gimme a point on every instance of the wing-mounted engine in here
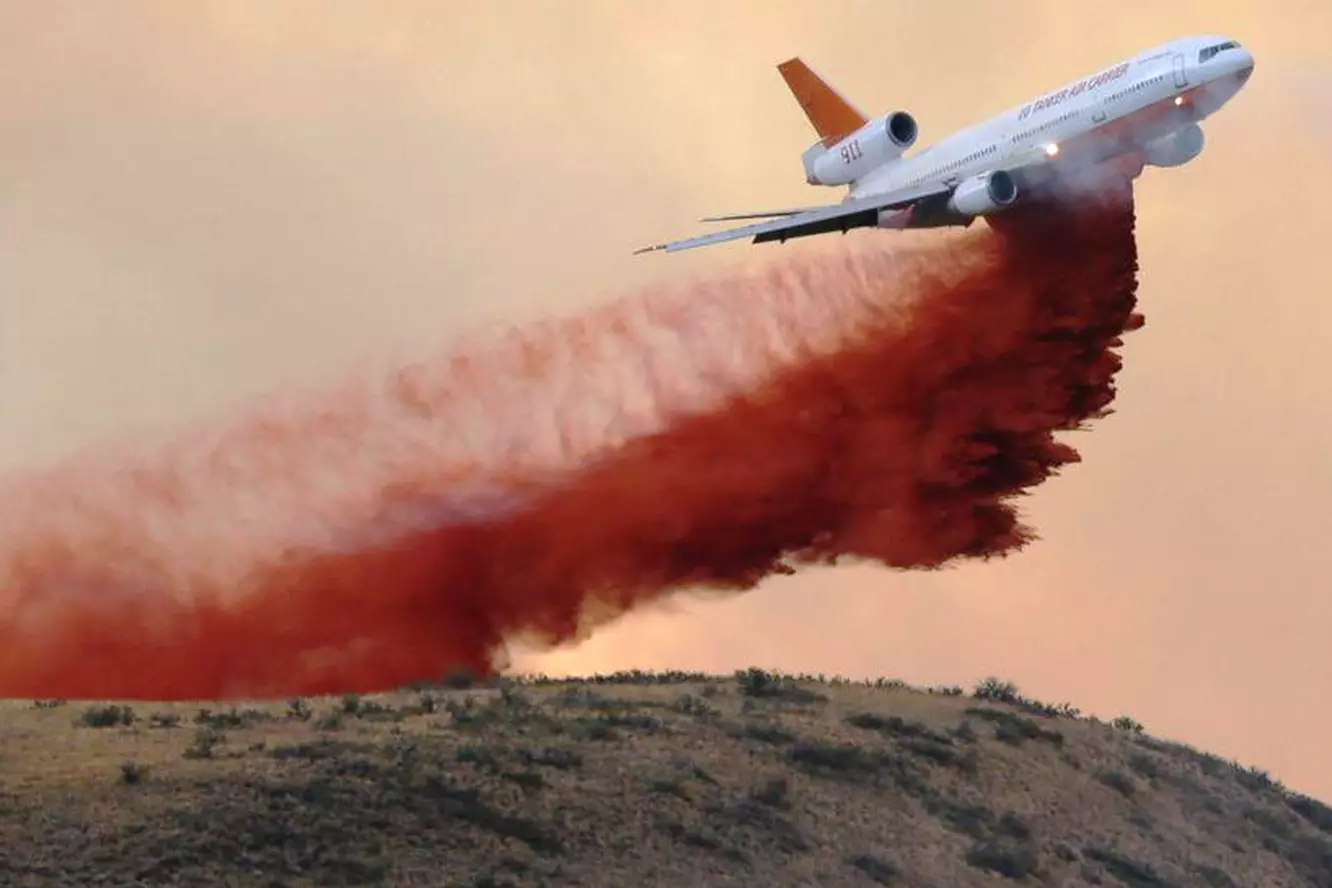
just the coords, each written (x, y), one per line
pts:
(877, 142)
(1176, 149)
(983, 193)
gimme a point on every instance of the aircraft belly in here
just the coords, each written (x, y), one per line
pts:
(1124, 135)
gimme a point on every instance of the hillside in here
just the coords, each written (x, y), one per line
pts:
(640, 780)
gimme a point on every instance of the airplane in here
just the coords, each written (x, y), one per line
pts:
(1143, 111)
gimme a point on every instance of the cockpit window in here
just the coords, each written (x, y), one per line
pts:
(1207, 52)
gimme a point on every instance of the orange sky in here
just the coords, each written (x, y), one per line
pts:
(203, 202)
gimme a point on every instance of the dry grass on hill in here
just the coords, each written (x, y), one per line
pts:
(636, 779)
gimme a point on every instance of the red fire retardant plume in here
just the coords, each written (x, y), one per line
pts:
(877, 405)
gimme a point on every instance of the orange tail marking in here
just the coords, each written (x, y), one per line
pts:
(832, 117)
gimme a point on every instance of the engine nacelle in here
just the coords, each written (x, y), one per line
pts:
(983, 193)
(874, 144)
(1176, 149)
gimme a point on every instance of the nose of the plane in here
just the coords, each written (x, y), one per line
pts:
(1245, 65)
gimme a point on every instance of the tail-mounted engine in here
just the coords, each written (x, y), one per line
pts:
(877, 142)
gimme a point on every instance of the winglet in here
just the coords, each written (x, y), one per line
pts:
(832, 116)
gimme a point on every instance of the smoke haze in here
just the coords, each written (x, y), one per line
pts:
(203, 205)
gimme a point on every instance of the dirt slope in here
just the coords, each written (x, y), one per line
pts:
(638, 780)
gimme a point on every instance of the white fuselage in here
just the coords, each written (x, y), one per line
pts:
(1104, 128)
(1126, 106)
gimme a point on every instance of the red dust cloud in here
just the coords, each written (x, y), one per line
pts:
(875, 406)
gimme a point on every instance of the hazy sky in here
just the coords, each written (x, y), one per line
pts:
(202, 202)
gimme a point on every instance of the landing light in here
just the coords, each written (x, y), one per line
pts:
(1052, 149)
(1179, 100)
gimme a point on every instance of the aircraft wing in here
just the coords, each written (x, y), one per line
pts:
(764, 214)
(858, 213)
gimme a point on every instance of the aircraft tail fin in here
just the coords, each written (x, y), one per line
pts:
(832, 116)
